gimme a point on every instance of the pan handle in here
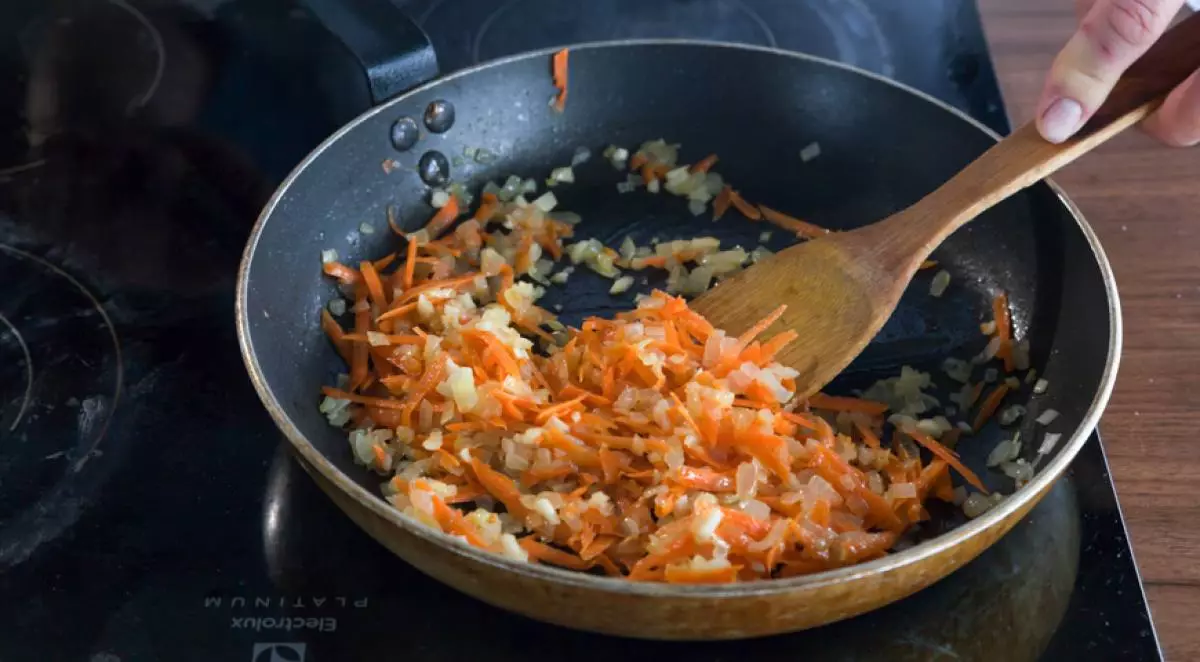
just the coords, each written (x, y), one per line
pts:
(394, 53)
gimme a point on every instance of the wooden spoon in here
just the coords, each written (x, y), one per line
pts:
(839, 289)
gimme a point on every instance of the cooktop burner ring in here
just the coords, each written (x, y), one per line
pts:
(26, 363)
(73, 376)
(467, 32)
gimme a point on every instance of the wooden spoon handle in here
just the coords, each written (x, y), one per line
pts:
(1024, 157)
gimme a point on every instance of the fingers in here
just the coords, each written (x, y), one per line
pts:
(1177, 122)
(1111, 35)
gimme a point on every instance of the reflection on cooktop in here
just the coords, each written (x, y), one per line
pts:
(60, 379)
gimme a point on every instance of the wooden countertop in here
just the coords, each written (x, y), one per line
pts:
(1144, 201)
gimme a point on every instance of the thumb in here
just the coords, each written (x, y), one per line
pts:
(1111, 36)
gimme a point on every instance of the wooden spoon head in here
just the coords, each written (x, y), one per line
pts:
(839, 290)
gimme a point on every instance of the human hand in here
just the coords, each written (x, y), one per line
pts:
(1112, 34)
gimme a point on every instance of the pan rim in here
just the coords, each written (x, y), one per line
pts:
(887, 564)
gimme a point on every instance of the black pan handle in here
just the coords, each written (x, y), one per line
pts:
(394, 53)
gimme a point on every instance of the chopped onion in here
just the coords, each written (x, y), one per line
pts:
(988, 328)
(1047, 417)
(581, 155)
(1019, 470)
(1011, 414)
(329, 255)
(1049, 442)
(510, 190)
(439, 198)
(991, 375)
(337, 306)
(976, 504)
(810, 152)
(1040, 386)
(957, 369)
(937, 287)
(562, 276)
(377, 339)
(366, 228)
(746, 481)
(561, 175)
(697, 207)
(546, 202)
(628, 248)
(621, 285)
(1005, 451)
(617, 156)
(757, 509)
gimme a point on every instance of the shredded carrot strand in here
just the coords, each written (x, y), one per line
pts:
(990, 405)
(800, 228)
(443, 218)
(1003, 330)
(948, 456)
(705, 164)
(834, 403)
(559, 71)
(748, 210)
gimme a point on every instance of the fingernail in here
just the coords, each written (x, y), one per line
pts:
(1061, 120)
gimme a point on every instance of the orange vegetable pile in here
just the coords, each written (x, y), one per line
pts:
(650, 446)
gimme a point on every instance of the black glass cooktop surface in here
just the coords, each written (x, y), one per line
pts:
(148, 507)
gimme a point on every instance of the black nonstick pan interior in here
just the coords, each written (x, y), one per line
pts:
(881, 148)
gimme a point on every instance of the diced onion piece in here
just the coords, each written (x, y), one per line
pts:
(1041, 386)
(337, 306)
(329, 255)
(1005, 451)
(621, 284)
(561, 176)
(546, 201)
(705, 526)
(976, 505)
(937, 287)
(377, 339)
(957, 369)
(581, 155)
(366, 228)
(1010, 415)
(439, 198)
(1047, 417)
(810, 152)
(1049, 442)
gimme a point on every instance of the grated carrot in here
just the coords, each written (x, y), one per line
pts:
(721, 202)
(748, 210)
(559, 72)
(990, 405)
(705, 164)
(598, 448)
(802, 229)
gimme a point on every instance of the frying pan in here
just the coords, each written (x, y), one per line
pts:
(882, 147)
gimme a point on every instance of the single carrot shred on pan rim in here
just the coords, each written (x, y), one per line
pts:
(559, 71)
